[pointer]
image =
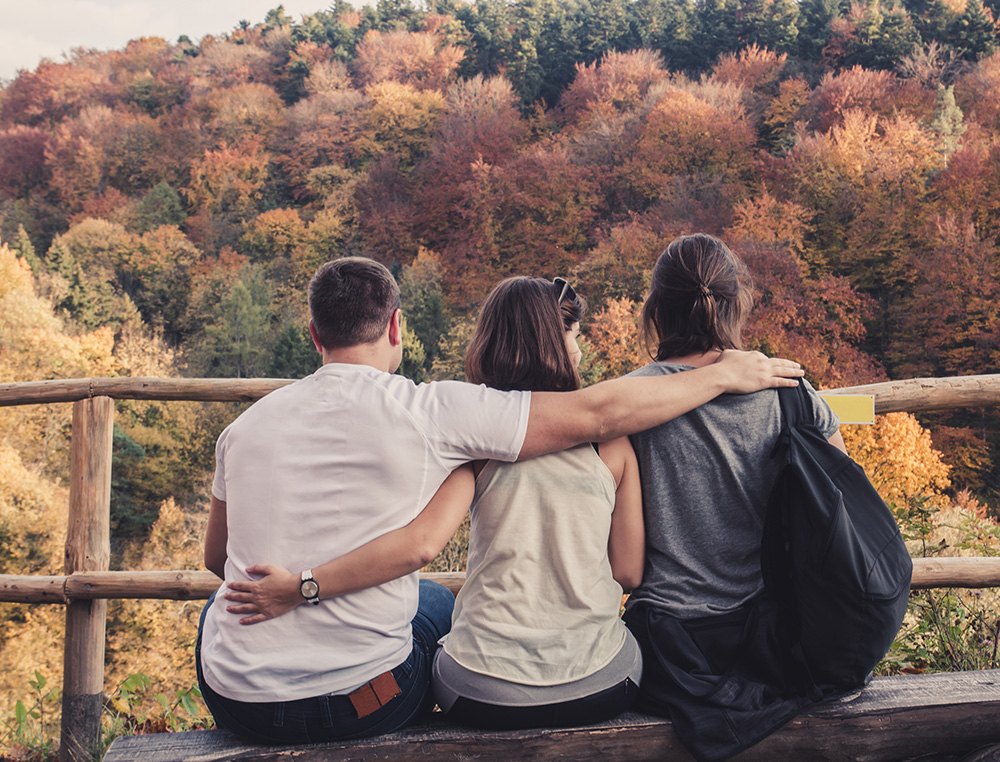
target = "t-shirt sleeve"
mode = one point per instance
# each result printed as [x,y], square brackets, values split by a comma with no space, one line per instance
[474,422]
[827,421]
[219,481]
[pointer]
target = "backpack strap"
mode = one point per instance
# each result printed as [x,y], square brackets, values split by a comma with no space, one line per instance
[795,406]
[795,411]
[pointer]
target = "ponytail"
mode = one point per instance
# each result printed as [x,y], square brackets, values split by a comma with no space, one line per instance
[699,299]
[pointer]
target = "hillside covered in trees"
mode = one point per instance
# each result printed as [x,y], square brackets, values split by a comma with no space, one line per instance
[163,206]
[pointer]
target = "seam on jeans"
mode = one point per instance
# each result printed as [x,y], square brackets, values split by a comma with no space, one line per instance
[325,712]
[279,715]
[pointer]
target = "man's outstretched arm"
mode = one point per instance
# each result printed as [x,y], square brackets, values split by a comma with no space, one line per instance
[610,409]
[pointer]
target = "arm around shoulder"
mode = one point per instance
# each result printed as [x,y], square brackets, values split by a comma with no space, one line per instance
[612,409]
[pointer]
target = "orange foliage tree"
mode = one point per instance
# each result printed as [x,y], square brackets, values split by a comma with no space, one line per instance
[422,60]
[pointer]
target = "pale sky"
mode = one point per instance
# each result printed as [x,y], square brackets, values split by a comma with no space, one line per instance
[35,29]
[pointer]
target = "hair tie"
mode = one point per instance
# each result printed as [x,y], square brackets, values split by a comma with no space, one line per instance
[706,291]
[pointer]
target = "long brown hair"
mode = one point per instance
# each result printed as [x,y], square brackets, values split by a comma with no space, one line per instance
[699,299]
[519,341]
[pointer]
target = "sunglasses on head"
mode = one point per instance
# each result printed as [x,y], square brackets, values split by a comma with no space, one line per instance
[566,291]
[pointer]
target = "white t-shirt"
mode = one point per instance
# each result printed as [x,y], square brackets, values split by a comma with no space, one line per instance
[315,470]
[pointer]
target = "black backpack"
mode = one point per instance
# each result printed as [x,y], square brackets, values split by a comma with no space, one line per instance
[832,556]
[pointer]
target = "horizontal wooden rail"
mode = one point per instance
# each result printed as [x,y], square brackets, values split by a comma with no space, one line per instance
[915,395]
[199,585]
[912,395]
[195,389]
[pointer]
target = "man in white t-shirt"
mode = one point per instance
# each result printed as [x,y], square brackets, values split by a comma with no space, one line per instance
[322,466]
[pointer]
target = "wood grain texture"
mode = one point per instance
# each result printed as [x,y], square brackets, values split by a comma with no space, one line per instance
[198,389]
[912,395]
[916,395]
[187,585]
[88,548]
[895,718]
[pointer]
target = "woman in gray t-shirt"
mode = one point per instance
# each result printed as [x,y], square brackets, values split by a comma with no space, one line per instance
[706,477]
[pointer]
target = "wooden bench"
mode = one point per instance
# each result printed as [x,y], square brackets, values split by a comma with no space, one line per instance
[895,718]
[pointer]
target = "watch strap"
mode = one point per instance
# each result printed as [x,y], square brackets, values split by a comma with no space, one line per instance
[307,576]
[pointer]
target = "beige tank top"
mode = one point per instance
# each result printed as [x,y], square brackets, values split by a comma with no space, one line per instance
[539,605]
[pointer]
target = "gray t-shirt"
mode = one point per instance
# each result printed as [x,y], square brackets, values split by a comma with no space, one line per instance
[706,478]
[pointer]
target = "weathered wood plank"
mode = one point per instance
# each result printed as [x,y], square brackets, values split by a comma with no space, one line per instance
[914,395]
[185,585]
[955,572]
[895,718]
[88,548]
[197,389]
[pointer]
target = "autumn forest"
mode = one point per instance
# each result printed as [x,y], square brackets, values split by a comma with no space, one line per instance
[162,207]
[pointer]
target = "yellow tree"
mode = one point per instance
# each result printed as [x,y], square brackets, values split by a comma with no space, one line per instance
[614,339]
[899,458]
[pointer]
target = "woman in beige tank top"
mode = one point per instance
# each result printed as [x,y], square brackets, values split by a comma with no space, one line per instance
[536,639]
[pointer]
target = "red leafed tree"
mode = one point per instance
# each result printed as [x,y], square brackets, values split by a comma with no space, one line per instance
[754,67]
[100,149]
[619,266]
[22,161]
[856,88]
[954,311]
[685,134]
[615,84]
[231,180]
[481,128]
[420,59]
[816,321]
[971,183]
[320,131]
[49,94]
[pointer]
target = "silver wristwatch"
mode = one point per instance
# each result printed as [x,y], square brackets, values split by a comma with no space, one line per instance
[309,588]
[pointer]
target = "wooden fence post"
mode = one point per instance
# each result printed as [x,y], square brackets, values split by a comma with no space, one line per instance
[88,548]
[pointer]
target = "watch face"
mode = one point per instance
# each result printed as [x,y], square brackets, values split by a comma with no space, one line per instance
[309,589]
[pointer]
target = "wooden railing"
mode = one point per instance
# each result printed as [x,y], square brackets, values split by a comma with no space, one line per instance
[87,583]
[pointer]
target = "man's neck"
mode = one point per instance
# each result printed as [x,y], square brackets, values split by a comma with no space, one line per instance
[361,354]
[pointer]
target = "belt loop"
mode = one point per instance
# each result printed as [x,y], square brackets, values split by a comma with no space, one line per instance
[279,714]
[325,712]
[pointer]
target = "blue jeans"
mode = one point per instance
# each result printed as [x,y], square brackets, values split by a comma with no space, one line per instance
[333,718]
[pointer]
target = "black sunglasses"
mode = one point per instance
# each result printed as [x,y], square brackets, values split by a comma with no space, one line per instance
[566,291]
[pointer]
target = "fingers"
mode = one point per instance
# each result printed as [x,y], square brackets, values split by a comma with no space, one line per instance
[254,619]
[243,608]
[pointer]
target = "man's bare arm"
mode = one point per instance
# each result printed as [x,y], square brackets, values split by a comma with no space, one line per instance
[216,538]
[610,409]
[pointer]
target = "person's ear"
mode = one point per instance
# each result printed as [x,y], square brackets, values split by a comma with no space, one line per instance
[396,328]
[315,337]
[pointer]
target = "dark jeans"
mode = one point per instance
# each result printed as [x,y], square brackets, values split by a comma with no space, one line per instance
[333,718]
[596,707]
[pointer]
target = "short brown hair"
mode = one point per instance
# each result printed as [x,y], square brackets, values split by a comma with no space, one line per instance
[519,341]
[699,299]
[351,301]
